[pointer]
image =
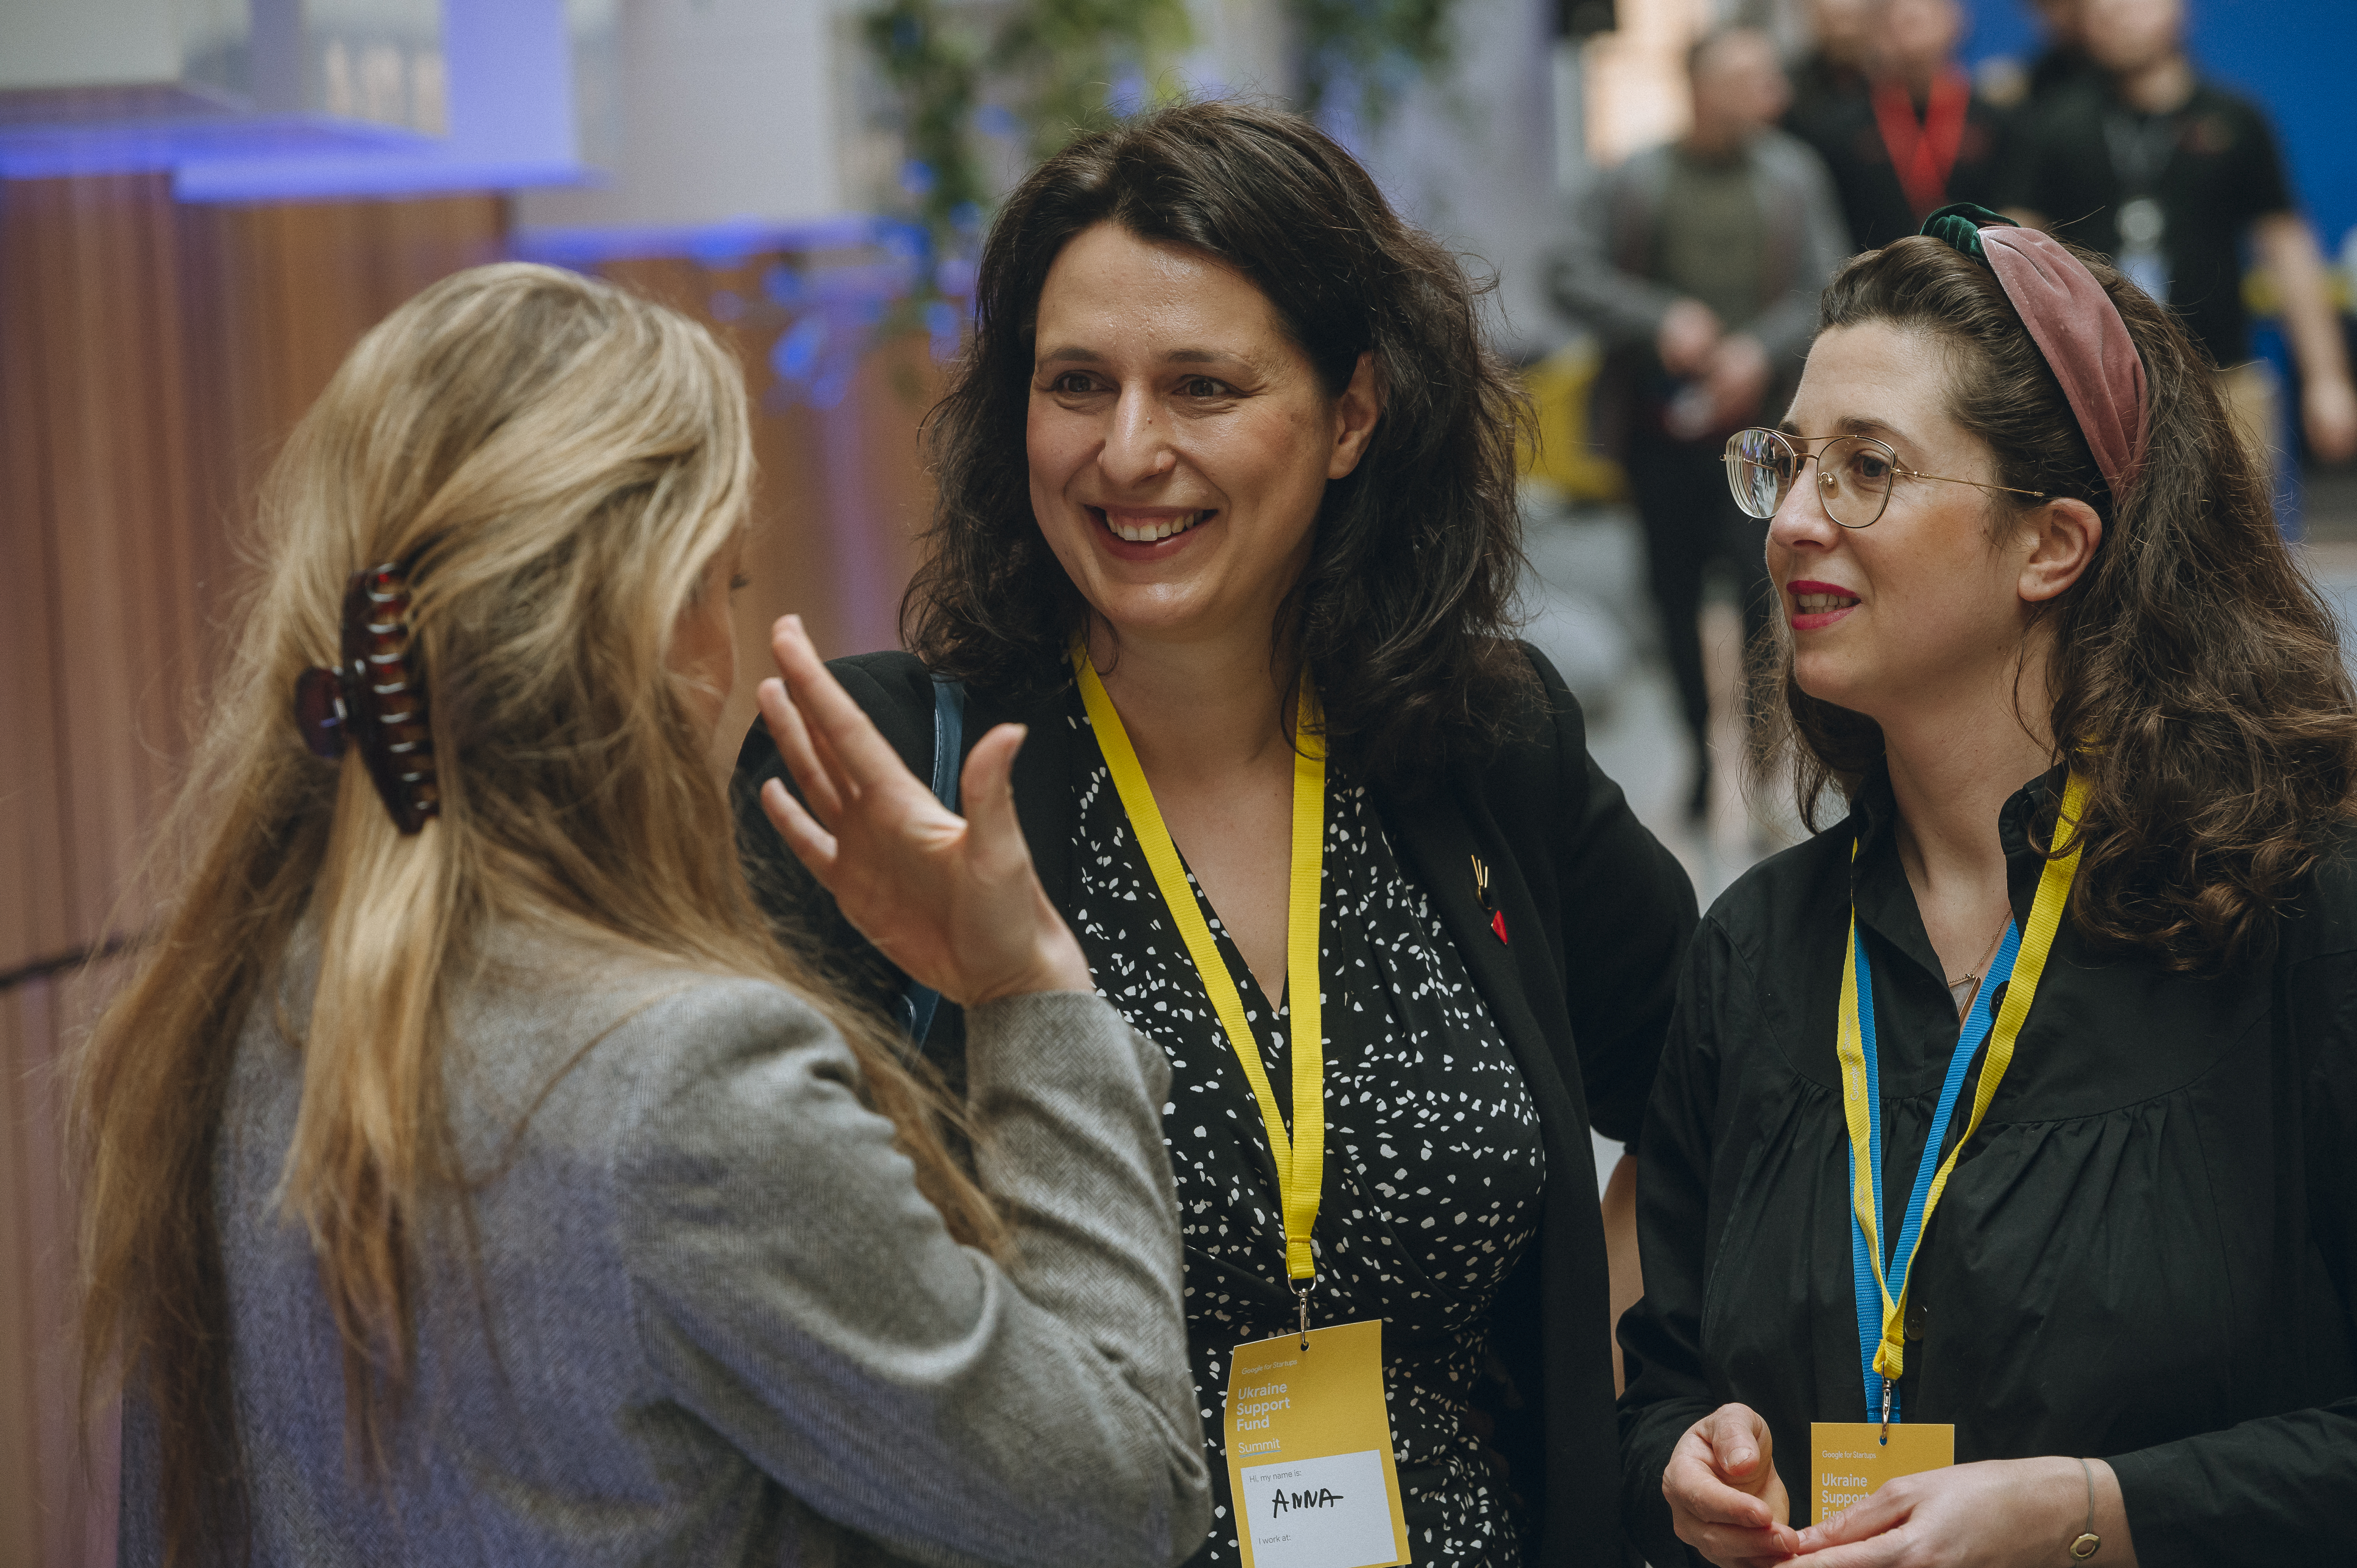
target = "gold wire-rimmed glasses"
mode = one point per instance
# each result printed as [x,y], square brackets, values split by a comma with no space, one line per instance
[1854,474]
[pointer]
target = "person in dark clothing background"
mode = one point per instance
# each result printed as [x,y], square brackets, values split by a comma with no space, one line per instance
[1831,73]
[1920,136]
[2062,64]
[2171,177]
[1696,265]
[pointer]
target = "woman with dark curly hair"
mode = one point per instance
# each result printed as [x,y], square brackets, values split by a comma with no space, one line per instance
[1999,1195]
[1227,518]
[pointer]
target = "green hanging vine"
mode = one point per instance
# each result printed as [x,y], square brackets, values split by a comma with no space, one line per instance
[935,71]
[1069,54]
[1062,59]
[1063,62]
[1044,71]
[1377,47]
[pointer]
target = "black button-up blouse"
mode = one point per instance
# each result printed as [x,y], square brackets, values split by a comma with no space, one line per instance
[2147,1252]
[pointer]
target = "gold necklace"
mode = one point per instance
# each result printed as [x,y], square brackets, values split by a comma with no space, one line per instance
[1971,977]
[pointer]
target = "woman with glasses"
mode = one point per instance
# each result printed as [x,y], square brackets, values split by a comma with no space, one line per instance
[1998,1193]
[1227,518]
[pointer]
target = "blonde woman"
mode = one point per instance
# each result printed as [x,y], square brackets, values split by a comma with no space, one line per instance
[469,1180]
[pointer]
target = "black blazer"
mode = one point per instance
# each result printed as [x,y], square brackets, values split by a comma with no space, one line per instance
[1598,914]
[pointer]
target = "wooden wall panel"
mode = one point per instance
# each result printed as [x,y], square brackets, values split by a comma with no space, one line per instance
[57,1497]
[98,328]
[152,360]
[280,293]
[33,911]
[21,1301]
[877,486]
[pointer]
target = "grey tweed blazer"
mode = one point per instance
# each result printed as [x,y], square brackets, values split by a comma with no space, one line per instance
[710,1319]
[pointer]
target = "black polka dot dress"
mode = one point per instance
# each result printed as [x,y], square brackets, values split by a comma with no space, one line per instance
[1434,1168]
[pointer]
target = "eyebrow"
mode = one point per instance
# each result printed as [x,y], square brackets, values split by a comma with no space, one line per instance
[1855,425]
[1074,354]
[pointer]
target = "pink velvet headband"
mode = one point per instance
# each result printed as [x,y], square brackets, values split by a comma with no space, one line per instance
[2076,327]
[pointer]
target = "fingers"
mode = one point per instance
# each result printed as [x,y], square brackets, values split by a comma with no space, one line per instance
[1739,1441]
[1735,1547]
[1779,1508]
[811,844]
[986,793]
[1862,1521]
[1693,1489]
[846,736]
[1724,1493]
[1885,1551]
[792,739]
[1695,1492]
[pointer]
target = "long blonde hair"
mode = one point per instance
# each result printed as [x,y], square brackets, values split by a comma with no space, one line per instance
[564,462]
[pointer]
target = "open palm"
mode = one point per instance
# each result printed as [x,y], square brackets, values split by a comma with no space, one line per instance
[952,899]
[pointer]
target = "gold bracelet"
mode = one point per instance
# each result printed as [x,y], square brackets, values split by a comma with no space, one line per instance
[2089,1543]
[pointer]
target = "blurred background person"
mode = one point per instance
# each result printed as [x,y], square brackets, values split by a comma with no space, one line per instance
[2171,177]
[2061,62]
[471,1180]
[1829,75]
[1921,137]
[1696,265]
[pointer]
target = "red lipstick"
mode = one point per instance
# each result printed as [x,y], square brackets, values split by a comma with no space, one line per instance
[1832,601]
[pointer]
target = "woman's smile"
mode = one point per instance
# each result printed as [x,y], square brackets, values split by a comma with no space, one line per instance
[1180,442]
[1148,533]
[1818,605]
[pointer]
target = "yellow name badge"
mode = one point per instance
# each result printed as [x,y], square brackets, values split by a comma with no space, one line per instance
[1848,1459]
[1309,1452]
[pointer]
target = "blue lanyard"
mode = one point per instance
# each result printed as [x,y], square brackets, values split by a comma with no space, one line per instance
[1976,1027]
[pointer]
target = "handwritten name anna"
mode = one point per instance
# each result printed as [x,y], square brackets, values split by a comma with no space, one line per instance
[1318,1498]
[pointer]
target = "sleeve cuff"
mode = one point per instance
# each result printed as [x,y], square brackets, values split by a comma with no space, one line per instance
[1059,1032]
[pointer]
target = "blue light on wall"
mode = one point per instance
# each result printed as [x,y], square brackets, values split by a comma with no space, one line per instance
[826,317]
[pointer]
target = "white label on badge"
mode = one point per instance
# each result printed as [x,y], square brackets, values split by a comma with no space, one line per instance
[1331,1512]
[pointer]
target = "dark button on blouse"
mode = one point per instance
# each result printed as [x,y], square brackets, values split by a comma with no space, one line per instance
[1433,1168]
[2146,1253]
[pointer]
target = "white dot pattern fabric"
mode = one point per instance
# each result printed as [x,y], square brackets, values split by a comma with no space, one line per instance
[1433,1165]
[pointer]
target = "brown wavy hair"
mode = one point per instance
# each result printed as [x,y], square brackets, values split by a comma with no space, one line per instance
[1402,608]
[2196,660]
[564,461]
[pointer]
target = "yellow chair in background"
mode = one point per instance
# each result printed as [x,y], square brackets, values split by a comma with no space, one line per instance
[1559,450]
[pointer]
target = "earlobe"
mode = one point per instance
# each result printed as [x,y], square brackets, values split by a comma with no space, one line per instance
[1355,413]
[2067,534]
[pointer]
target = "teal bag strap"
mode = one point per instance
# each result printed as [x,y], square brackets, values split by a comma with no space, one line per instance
[918,1002]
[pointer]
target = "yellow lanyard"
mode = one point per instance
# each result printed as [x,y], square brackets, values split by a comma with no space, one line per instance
[1301,1159]
[1859,1090]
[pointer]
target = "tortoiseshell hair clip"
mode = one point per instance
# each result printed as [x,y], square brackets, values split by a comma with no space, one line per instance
[376,699]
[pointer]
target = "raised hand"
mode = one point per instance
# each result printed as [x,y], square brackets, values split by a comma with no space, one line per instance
[952,901]
[1725,1498]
